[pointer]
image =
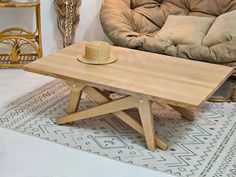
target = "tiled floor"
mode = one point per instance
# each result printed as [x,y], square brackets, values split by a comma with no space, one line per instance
[25,156]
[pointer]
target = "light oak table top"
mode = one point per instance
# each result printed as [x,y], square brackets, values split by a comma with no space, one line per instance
[161,78]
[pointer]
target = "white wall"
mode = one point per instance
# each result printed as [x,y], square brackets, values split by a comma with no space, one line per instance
[89,27]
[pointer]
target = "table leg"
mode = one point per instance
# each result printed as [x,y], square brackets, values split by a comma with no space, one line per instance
[187,114]
[75,95]
[145,127]
[145,111]
[110,107]
[134,123]
[233,94]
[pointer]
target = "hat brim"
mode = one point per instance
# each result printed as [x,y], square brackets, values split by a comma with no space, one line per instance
[81,58]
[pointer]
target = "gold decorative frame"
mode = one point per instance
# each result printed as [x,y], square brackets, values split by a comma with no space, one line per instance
[67,19]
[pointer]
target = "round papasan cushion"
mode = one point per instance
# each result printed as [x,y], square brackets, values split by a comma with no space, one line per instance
[142,24]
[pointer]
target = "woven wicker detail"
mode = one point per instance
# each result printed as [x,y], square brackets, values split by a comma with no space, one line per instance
[97,52]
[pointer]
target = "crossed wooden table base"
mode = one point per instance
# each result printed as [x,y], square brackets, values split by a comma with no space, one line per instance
[143,76]
[144,126]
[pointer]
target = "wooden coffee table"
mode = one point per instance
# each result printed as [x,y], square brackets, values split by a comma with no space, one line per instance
[144,77]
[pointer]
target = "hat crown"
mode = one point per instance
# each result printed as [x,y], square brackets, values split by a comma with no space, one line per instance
[98,51]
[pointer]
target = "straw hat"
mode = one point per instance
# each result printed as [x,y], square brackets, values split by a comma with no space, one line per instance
[97,53]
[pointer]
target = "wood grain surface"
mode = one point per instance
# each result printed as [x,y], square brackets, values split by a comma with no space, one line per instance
[170,80]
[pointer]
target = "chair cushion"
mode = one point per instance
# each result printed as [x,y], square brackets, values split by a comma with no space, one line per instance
[180,29]
[222,30]
[135,23]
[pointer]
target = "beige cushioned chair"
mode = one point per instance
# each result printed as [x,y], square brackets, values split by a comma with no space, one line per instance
[203,30]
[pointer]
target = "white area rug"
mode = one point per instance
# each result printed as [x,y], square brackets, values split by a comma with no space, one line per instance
[205,147]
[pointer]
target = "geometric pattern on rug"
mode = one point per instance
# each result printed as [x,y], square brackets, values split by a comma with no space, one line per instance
[205,147]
